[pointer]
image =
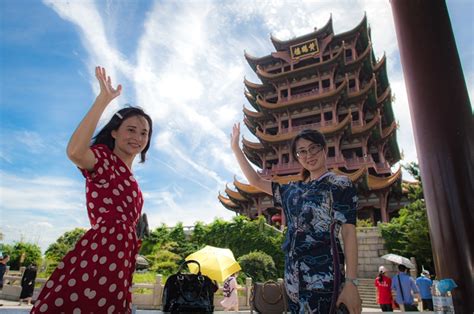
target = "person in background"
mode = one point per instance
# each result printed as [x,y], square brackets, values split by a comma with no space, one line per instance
[424,284]
[405,287]
[3,268]
[28,283]
[383,283]
[231,297]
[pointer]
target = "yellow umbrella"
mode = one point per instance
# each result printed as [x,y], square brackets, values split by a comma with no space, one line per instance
[216,263]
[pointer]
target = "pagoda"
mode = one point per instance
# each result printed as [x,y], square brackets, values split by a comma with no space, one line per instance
[332,83]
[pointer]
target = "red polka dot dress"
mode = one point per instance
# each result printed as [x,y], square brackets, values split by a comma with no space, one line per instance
[96,276]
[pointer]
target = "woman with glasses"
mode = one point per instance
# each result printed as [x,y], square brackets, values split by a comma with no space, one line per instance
[96,275]
[316,209]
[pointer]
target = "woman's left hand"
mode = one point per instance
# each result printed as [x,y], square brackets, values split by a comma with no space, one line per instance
[351,299]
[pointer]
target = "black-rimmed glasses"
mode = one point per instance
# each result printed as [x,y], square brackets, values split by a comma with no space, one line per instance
[313,150]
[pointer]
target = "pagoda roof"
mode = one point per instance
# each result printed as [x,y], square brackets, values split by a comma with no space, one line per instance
[368,87]
[251,99]
[381,69]
[326,130]
[308,69]
[228,203]
[350,33]
[253,61]
[285,44]
[364,56]
[254,88]
[361,129]
[384,95]
[354,176]
[247,188]
[252,145]
[312,98]
[374,183]
[250,125]
[382,62]
[386,132]
[252,114]
[235,196]
[380,183]
[250,150]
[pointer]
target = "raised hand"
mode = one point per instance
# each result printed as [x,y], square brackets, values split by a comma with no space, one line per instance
[235,137]
[107,91]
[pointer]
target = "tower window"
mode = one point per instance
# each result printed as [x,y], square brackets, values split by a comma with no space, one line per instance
[355,116]
[328,115]
[326,83]
[352,83]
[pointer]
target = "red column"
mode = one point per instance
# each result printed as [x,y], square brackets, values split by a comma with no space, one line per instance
[444,134]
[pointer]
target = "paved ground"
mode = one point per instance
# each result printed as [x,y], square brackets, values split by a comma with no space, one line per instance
[12,307]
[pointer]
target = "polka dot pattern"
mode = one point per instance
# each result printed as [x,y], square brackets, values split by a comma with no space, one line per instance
[96,275]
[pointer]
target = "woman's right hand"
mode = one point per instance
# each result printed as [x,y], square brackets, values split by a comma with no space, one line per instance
[107,91]
[235,137]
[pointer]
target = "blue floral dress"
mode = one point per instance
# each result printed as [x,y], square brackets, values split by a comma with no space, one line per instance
[314,260]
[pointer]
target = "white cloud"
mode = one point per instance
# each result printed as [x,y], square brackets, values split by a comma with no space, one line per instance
[187,72]
[39,209]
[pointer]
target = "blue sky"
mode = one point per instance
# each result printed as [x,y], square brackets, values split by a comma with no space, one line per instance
[183,62]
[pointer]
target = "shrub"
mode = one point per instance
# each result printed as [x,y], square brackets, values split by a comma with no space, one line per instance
[165,268]
[258,265]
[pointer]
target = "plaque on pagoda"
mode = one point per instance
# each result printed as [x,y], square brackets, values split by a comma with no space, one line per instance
[306,48]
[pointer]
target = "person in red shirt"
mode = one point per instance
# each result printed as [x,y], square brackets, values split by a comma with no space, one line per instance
[384,293]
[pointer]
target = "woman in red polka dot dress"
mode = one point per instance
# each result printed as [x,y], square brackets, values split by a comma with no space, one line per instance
[96,276]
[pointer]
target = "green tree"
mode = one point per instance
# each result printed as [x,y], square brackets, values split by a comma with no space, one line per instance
[408,234]
[30,253]
[56,251]
[184,247]
[259,266]
[242,236]
[156,240]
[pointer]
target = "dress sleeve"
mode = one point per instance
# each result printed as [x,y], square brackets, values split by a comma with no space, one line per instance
[102,167]
[345,201]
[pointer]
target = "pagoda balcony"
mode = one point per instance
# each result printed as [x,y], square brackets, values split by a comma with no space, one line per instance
[335,162]
[383,167]
[302,95]
[313,126]
[281,169]
[357,162]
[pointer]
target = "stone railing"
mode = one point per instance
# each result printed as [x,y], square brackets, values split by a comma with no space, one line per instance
[144,295]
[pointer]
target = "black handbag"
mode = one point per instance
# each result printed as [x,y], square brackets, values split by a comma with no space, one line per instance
[268,298]
[188,293]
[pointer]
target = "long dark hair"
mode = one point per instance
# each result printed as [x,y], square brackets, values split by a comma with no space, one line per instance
[105,135]
[381,276]
[312,136]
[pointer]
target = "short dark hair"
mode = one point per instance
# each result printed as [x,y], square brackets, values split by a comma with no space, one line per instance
[105,135]
[311,135]
[402,268]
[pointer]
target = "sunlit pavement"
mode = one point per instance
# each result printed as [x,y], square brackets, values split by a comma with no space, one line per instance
[12,307]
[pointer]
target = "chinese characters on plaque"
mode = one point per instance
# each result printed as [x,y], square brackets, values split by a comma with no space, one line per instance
[309,47]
